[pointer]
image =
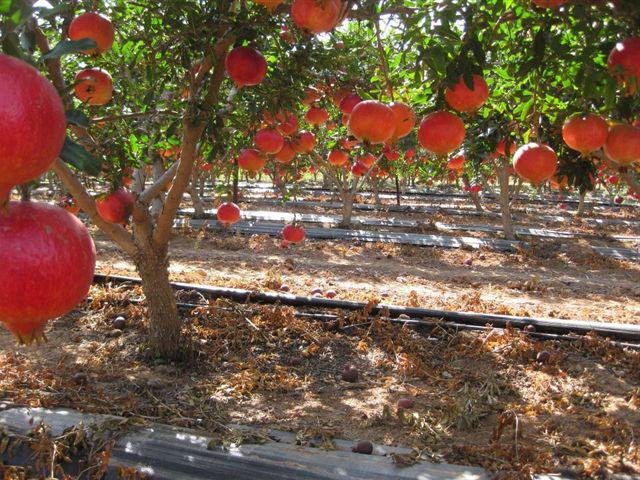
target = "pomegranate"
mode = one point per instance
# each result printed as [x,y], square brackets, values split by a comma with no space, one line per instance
[623,144]
[286,154]
[441,132]
[359,169]
[367,160]
[585,133]
[48,259]
[405,119]
[549,3]
[95,27]
[559,183]
[338,158]
[372,121]
[624,63]
[246,66]
[304,142]
[311,95]
[228,213]
[288,123]
[251,160]
[535,162]
[348,103]
[316,116]
[316,16]
[268,140]
[456,163]
[94,86]
[475,189]
[32,124]
[463,99]
[270,5]
[502,150]
[392,155]
[411,153]
[116,207]
[293,233]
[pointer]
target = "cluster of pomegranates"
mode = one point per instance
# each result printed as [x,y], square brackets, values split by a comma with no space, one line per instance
[47,255]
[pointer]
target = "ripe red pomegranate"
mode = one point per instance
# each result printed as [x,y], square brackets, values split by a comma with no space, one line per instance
[585,133]
[96,27]
[316,16]
[392,155]
[348,103]
[441,132]
[559,183]
[618,200]
[228,213]
[338,158]
[48,260]
[331,126]
[535,162]
[270,5]
[411,153]
[311,95]
[456,163]
[32,124]
[549,3]
[246,66]
[623,144]
[286,154]
[405,119]
[367,160]
[288,123]
[251,160]
[624,63]
[501,149]
[463,99]
[268,140]
[372,121]
[94,86]
[294,233]
[316,116]
[475,189]
[358,169]
[613,180]
[116,207]
[304,142]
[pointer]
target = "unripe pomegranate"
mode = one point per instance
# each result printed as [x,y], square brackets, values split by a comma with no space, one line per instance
[268,140]
[359,169]
[116,207]
[228,213]
[441,132]
[94,86]
[316,116]
[316,16]
[624,63]
[535,162]
[405,119]
[304,142]
[251,160]
[585,133]
[372,121]
[286,154]
[623,144]
[95,27]
[338,158]
[463,99]
[32,124]
[246,66]
[48,261]
[367,160]
[293,233]
[348,103]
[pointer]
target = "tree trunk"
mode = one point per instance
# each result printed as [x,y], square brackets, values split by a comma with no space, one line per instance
[397,191]
[375,185]
[347,208]
[164,321]
[158,202]
[476,201]
[196,201]
[581,204]
[505,206]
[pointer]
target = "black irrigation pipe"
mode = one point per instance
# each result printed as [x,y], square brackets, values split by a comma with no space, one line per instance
[556,327]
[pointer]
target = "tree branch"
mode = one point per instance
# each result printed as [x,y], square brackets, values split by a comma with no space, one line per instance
[156,189]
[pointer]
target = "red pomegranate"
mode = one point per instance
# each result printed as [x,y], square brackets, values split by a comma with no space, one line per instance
[94,86]
[268,140]
[288,123]
[286,154]
[585,133]
[613,179]
[348,103]
[463,99]
[293,233]
[116,207]
[372,121]
[559,183]
[367,160]
[501,149]
[623,144]
[475,189]
[405,119]
[32,124]
[392,155]
[535,162]
[316,116]
[441,132]
[311,95]
[95,27]
[316,16]
[246,66]
[304,142]
[270,5]
[331,126]
[228,213]
[48,261]
[251,160]
[358,169]
[338,158]
[456,163]
[549,3]
[624,63]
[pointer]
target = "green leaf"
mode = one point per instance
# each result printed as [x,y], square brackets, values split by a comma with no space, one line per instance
[76,155]
[67,47]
